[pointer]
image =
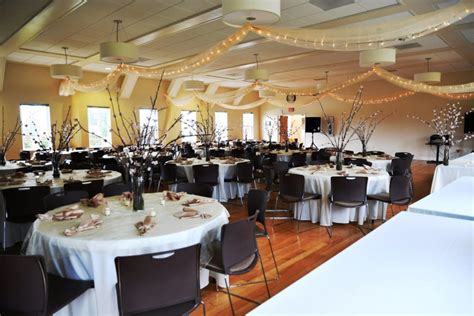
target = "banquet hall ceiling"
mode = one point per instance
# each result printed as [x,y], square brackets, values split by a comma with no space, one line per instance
[168,31]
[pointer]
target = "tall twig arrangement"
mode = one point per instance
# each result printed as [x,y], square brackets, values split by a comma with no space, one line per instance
[347,127]
[445,122]
[59,138]
[205,128]
[366,127]
[8,137]
[272,127]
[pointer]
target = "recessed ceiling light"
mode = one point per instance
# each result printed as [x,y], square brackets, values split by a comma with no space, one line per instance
[108,68]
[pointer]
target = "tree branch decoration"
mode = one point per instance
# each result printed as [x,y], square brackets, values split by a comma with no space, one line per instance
[272,127]
[445,122]
[367,126]
[8,137]
[205,128]
[59,137]
[347,128]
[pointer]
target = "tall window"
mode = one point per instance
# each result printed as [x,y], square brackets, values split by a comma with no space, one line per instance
[149,115]
[188,126]
[221,124]
[35,121]
[247,124]
[99,124]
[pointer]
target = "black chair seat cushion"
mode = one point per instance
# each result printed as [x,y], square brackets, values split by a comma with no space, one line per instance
[293,199]
[234,179]
[383,196]
[62,290]
[216,264]
[178,309]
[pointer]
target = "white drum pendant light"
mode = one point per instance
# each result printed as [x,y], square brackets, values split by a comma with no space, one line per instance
[118,52]
[256,74]
[65,71]
[380,57]
[429,76]
[193,85]
[259,12]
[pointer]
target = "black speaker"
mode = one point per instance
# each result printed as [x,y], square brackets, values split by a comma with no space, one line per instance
[313,125]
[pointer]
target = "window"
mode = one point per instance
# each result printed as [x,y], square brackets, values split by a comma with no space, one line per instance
[270,128]
[221,125]
[188,126]
[152,116]
[248,126]
[99,124]
[35,121]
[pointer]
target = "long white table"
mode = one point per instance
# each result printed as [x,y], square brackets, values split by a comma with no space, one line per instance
[414,264]
[459,167]
[454,200]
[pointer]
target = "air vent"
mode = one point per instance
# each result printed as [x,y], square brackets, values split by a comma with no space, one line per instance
[407,46]
[330,4]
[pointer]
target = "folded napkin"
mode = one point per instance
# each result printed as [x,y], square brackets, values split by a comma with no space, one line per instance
[93,222]
[343,173]
[173,196]
[126,198]
[189,212]
[95,201]
[145,225]
[194,202]
[72,212]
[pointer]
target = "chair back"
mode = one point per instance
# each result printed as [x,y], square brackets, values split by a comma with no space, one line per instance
[91,187]
[158,280]
[79,156]
[59,199]
[116,188]
[292,185]
[108,161]
[25,155]
[257,201]
[42,155]
[24,285]
[200,189]
[405,155]
[237,153]
[206,174]
[376,152]
[217,152]
[258,162]
[357,162]
[272,157]
[244,171]
[298,159]
[238,245]
[269,174]
[22,204]
[400,189]
[168,172]
[348,152]
[281,167]
[163,159]
[401,166]
[349,189]
[118,168]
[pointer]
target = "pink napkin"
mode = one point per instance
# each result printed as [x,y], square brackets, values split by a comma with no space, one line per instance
[95,201]
[93,222]
[195,202]
[72,212]
[145,225]
[173,196]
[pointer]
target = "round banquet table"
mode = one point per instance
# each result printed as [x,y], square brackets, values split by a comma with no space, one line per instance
[319,181]
[89,255]
[9,168]
[16,232]
[283,155]
[377,162]
[227,190]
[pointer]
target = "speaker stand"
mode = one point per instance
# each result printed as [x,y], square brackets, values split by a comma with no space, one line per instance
[313,145]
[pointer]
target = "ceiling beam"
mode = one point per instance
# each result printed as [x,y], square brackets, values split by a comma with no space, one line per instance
[3,64]
[174,87]
[128,85]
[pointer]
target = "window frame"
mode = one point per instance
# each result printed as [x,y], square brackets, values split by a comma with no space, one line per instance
[225,134]
[23,122]
[252,127]
[107,143]
[188,139]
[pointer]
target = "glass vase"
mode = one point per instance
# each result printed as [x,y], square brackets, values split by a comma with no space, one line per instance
[55,163]
[339,160]
[3,162]
[364,150]
[207,152]
[137,193]
[287,145]
[446,155]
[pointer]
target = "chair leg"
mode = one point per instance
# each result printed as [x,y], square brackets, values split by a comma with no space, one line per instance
[203,308]
[299,218]
[329,228]
[254,184]
[239,193]
[273,256]
[264,276]
[228,295]
[391,208]
[4,235]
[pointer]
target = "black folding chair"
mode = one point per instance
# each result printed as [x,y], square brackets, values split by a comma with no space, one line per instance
[399,193]
[117,188]
[207,174]
[59,199]
[91,187]
[200,189]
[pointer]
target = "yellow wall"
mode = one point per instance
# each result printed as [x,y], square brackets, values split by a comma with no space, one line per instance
[398,133]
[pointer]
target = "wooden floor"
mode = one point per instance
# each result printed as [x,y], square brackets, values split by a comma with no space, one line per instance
[296,254]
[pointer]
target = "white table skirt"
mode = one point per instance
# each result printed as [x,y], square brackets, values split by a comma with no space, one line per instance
[320,182]
[226,190]
[414,264]
[16,232]
[460,167]
[10,168]
[454,200]
[90,255]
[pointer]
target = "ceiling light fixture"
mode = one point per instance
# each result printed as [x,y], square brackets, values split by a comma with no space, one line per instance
[260,12]
[256,74]
[428,76]
[65,71]
[379,57]
[118,52]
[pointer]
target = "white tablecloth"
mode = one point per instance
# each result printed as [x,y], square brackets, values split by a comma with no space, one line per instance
[9,168]
[90,255]
[16,232]
[460,167]
[320,182]
[377,162]
[414,264]
[283,155]
[227,190]
[454,200]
